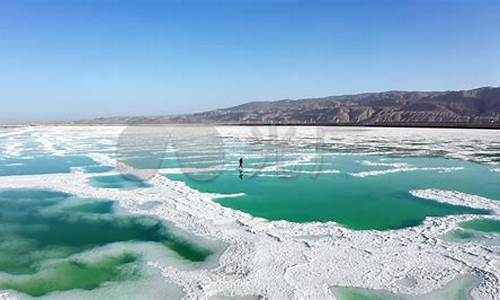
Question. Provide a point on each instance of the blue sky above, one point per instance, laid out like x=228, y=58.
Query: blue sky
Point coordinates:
x=62, y=60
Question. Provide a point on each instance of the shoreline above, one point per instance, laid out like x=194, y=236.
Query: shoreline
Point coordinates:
x=482, y=126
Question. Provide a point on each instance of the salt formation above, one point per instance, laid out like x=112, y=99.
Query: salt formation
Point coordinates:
x=284, y=260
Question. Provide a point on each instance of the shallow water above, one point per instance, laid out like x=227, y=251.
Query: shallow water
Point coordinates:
x=484, y=225
x=118, y=182
x=44, y=234
x=477, y=230
x=457, y=289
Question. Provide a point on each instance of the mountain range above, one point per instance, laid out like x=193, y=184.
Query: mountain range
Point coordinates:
x=476, y=108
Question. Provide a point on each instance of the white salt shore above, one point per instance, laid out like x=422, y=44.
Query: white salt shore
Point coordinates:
x=284, y=260
x=403, y=169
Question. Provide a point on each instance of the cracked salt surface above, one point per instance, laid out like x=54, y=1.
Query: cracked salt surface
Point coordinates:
x=284, y=260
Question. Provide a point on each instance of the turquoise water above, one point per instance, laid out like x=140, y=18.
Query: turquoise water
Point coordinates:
x=97, y=169
x=308, y=183
x=373, y=202
x=52, y=243
x=118, y=182
x=484, y=225
x=42, y=165
x=45, y=236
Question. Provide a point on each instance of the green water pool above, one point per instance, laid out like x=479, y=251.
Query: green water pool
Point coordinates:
x=46, y=239
x=302, y=193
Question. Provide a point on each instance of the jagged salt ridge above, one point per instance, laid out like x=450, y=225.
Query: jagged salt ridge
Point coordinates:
x=458, y=198
x=404, y=169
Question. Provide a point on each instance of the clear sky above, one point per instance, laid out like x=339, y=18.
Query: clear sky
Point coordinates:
x=71, y=59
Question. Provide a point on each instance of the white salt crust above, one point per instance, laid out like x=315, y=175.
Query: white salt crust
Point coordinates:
x=284, y=260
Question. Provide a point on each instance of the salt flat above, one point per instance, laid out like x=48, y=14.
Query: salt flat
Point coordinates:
x=283, y=259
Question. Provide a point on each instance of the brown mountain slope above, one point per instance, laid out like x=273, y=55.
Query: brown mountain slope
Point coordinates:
x=478, y=106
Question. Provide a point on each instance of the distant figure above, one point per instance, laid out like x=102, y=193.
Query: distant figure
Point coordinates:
x=241, y=163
